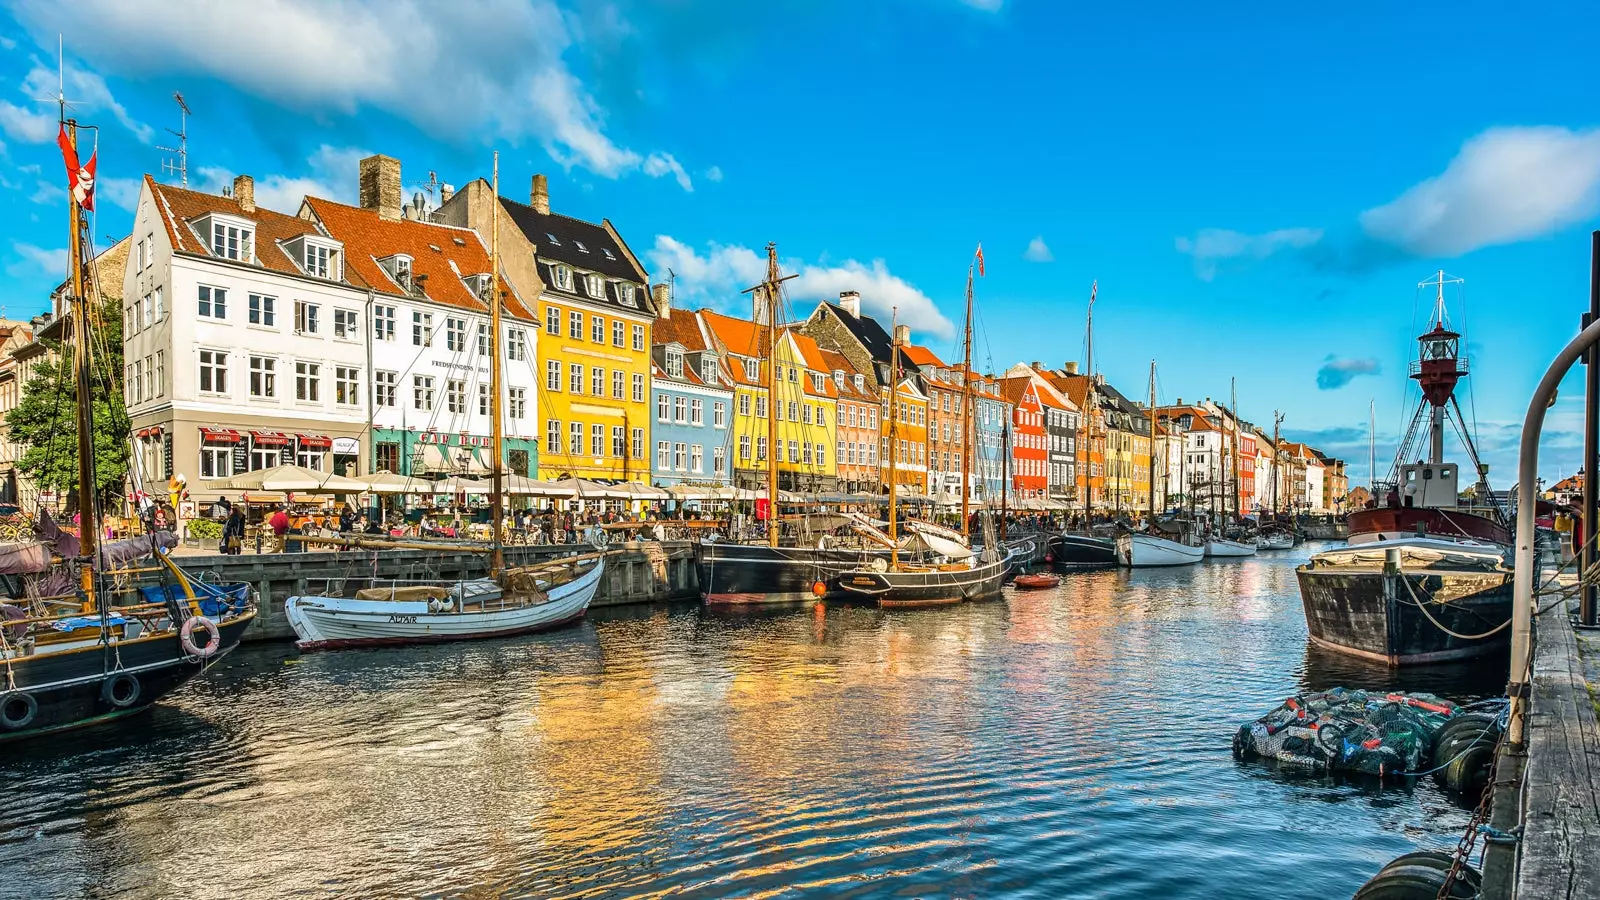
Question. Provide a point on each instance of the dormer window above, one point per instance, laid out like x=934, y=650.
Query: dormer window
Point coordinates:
x=861, y=382
x=553, y=241
x=708, y=369
x=229, y=237
x=838, y=378
x=317, y=256
x=580, y=246
x=675, y=362
x=563, y=277
x=818, y=381
x=595, y=286
x=479, y=285
x=607, y=252
x=752, y=370
x=399, y=268
x=625, y=294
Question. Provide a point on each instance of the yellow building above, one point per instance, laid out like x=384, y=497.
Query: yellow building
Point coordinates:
x=806, y=401
x=592, y=356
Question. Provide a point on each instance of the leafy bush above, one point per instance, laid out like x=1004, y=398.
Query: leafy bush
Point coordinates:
x=205, y=529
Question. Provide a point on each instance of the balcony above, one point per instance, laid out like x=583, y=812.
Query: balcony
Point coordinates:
x=1416, y=366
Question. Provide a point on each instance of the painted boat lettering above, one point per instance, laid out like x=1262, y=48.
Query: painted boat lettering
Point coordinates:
x=402, y=620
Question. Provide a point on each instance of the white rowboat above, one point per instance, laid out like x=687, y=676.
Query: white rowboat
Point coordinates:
x=428, y=615
x=1223, y=547
x=1140, y=550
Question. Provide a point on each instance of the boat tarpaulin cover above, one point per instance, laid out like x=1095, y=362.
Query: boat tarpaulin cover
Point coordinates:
x=24, y=559
x=119, y=553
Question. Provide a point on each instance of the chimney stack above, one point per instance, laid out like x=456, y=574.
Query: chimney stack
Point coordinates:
x=380, y=185
x=902, y=335
x=663, y=297
x=1071, y=367
x=850, y=302
x=446, y=191
x=1037, y=366
x=539, y=195
x=244, y=191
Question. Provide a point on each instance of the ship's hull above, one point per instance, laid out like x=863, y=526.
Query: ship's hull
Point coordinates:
x=1141, y=550
x=337, y=623
x=1077, y=551
x=1328, y=531
x=1218, y=547
x=1391, y=522
x=1278, y=540
x=1360, y=611
x=755, y=574
x=59, y=690
x=923, y=588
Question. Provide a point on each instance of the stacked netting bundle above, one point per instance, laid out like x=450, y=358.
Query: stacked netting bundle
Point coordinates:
x=1348, y=731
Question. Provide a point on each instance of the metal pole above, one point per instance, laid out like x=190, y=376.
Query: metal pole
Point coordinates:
x=1588, y=610
x=1527, y=495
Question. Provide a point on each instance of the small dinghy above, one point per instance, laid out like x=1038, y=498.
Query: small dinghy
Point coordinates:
x=1040, y=582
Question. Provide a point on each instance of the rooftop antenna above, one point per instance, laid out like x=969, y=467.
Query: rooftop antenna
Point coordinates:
x=672, y=284
x=432, y=188
x=60, y=99
x=181, y=167
x=1439, y=281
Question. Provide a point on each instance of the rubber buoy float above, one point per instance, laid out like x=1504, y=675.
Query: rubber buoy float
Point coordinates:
x=17, y=710
x=121, y=690
x=213, y=637
x=1413, y=880
x=818, y=588
x=1442, y=861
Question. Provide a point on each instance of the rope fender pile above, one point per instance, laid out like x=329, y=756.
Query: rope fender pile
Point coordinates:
x=1343, y=730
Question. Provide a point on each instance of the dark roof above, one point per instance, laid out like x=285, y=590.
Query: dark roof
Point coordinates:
x=559, y=237
x=866, y=330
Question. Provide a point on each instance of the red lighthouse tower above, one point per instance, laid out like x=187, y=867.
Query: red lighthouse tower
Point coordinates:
x=1439, y=365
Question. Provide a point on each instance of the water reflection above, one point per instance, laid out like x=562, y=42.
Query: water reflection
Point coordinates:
x=1065, y=743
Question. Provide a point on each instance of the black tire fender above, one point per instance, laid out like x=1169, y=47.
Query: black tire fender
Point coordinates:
x=121, y=690
x=17, y=710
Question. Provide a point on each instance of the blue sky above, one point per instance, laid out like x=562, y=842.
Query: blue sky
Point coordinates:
x=1256, y=195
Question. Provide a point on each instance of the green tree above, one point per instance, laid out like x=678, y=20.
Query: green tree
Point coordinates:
x=45, y=421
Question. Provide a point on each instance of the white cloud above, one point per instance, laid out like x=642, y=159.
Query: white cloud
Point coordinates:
x=714, y=173
x=123, y=192
x=659, y=164
x=493, y=68
x=1211, y=246
x=49, y=193
x=985, y=5
x=1506, y=184
x=717, y=276
x=35, y=260
x=1038, y=251
x=332, y=174
x=26, y=125
x=87, y=92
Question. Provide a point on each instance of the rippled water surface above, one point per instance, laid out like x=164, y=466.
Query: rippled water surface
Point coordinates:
x=1072, y=743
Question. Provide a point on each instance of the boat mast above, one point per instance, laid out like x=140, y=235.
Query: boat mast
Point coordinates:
x=1152, y=440
x=1277, y=452
x=1372, y=450
x=497, y=426
x=88, y=499
x=766, y=302
x=1233, y=413
x=894, y=434
x=967, y=404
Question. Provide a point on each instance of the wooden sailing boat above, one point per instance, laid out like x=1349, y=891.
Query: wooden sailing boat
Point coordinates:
x=1085, y=549
x=510, y=601
x=73, y=650
x=1230, y=541
x=945, y=569
x=1138, y=549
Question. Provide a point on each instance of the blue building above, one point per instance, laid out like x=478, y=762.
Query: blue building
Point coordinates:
x=692, y=401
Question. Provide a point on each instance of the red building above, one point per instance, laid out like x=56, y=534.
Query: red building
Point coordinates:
x=1030, y=475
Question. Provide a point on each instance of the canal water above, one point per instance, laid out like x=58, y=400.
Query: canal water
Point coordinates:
x=1071, y=743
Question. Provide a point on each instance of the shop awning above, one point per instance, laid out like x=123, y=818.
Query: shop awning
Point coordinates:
x=220, y=436
x=270, y=438
x=320, y=441
x=152, y=431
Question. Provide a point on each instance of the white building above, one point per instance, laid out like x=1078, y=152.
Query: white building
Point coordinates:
x=243, y=340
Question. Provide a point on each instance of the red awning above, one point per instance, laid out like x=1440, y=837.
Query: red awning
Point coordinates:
x=270, y=438
x=152, y=431
x=220, y=435
x=315, y=440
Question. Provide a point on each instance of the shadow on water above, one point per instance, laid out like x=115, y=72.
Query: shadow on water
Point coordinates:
x=1460, y=681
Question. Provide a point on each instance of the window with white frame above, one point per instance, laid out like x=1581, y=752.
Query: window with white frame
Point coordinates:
x=517, y=345
x=213, y=371
x=597, y=381
x=680, y=456
x=761, y=449
x=618, y=333
x=625, y=292
x=552, y=436
x=309, y=457
x=307, y=381
x=216, y=461
x=384, y=387
x=305, y=317
x=455, y=395
x=805, y=453
x=638, y=337
x=619, y=441
x=696, y=458
x=719, y=414
x=321, y=261
x=638, y=388
x=761, y=407
x=597, y=440
x=422, y=392
x=455, y=334
x=617, y=388
x=638, y=443
x=161, y=372
x=232, y=241
x=263, y=377
x=344, y=324
x=552, y=375
x=663, y=456
x=708, y=369
x=575, y=377
x=483, y=339
x=382, y=322
x=697, y=412
x=135, y=381
x=483, y=399
x=744, y=446
x=680, y=409
x=265, y=458
x=563, y=278
x=752, y=369
x=346, y=386
x=595, y=286
x=421, y=329
x=674, y=362
x=575, y=325
x=719, y=460
x=575, y=439
x=213, y=302
x=744, y=404
x=519, y=403
x=597, y=329
x=663, y=405
x=552, y=320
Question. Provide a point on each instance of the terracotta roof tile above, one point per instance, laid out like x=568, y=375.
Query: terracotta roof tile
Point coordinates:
x=180, y=206
x=921, y=355
x=368, y=237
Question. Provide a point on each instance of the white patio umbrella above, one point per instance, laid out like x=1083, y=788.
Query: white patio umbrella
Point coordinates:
x=390, y=483
x=639, y=491
x=298, y=479
x=458, y=485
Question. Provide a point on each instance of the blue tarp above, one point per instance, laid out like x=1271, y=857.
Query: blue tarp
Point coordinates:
x=216, y=600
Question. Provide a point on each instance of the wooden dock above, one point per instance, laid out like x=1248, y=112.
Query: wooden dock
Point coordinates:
x=1553, y=790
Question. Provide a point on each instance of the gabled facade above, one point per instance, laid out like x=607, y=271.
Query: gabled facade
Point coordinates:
x=693, y=396
x=244, y=336
x=1127, y=449
x=908, y=432
x=856, y=425
x=1029, y=453
x=1090, y=439
x=590, y=294
x=427, y=324
x=1062, y=425
x=943, y=387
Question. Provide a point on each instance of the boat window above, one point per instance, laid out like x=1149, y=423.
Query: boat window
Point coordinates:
x=1444, y=473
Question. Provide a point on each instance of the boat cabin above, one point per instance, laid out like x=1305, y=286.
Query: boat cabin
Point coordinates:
x=1431, y=485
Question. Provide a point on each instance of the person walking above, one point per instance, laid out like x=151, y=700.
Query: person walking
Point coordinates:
x=233, y=532
x=279, y=523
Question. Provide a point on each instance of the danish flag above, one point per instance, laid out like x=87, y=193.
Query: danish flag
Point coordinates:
x=980, y=260
x=80, y=178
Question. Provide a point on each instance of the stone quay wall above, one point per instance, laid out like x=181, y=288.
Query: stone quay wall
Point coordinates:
x=636, y=572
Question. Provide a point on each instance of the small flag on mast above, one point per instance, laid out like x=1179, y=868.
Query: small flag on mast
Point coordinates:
x=980, y=260
x=80, y=178
x=1093, y=289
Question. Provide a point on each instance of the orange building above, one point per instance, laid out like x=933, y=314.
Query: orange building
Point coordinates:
x=1029, y=476
x=857, y=426
x=910, y=425
x=1091, y=452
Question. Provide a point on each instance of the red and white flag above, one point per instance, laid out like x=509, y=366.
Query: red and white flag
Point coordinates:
x=80, y=178
x=1093, y=289
x=980, y=259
